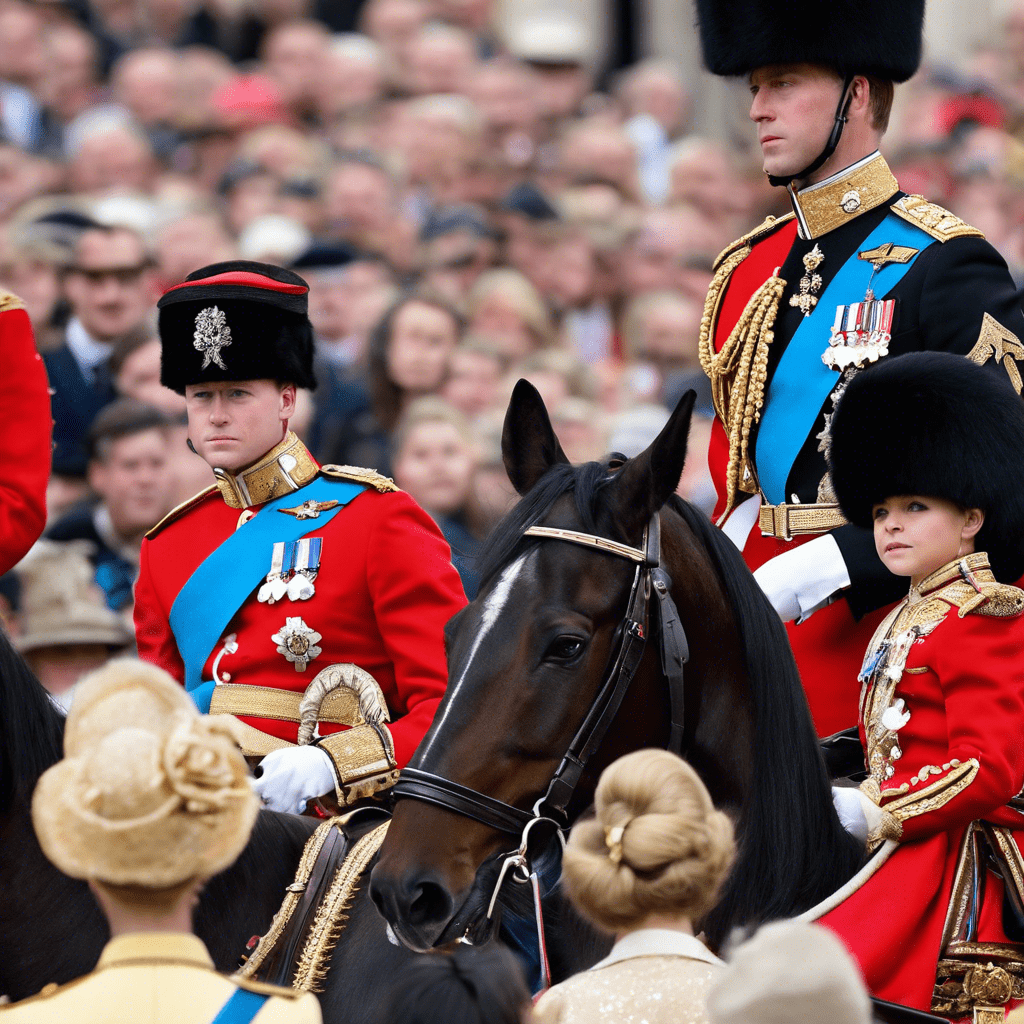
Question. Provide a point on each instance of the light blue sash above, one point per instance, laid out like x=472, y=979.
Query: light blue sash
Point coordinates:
x=240, y=1008
x=228, y=575
x=802, y=382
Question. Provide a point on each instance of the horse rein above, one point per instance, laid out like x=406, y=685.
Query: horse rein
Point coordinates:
x=649, y=578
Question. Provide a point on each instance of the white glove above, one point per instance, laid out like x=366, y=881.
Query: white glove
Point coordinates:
x=858, y=814
x=289, y=778
x=850, y=809
x=800, y=581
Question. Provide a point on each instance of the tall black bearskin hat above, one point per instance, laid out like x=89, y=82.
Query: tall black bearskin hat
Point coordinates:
x=863, y=37
x=237, y=320
x=938, y=425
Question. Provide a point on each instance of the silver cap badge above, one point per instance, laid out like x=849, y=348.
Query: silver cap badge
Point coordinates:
x=212, y=334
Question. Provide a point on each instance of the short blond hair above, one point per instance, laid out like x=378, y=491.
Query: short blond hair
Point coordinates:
x=520, y=294
x=656, y=844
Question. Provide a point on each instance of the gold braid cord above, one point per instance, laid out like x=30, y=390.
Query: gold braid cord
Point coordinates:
x=292, y=896
x=739, y=371
x=331, y=915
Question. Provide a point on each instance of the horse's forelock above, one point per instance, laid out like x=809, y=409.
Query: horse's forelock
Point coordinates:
x=585, y=482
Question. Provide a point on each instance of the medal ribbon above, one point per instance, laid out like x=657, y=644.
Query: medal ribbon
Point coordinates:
x=802, y=382
x=228, y=575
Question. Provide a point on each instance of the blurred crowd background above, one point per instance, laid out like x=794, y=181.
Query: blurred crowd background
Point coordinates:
x=475, y=191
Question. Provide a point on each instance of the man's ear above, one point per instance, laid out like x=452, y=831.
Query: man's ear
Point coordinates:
x=974, y=522
x=288, y=400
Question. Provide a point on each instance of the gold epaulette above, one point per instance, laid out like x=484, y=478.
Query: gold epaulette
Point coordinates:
x=358, y=475
x=766, y=227
x=8, y=300
x=933, y=219
x=180, y=510
x=263, y=988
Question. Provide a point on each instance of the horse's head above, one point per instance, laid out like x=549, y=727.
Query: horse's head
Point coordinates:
x=526, y=660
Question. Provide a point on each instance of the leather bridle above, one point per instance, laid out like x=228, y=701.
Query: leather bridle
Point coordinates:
x=632, y=635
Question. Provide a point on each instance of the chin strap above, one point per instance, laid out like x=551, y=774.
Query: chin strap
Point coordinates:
x=842, y=109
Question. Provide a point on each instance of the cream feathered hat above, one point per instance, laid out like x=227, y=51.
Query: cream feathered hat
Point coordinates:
x=150, y=792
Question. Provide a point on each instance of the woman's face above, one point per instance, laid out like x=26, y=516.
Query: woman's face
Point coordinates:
x=422, y=338
x=502, y=325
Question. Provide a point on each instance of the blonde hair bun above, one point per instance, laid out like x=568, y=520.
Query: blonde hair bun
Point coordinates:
x=656, y=844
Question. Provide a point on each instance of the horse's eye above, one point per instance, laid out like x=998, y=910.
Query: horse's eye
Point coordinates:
x=564, y=648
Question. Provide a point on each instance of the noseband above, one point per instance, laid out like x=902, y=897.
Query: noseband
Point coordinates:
x=632, y=634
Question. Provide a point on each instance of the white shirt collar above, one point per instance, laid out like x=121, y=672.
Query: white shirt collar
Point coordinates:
x=658, y=942
x=88, y=353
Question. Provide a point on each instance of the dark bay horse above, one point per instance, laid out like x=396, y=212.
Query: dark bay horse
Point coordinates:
x=51, y=929
x=527, y=659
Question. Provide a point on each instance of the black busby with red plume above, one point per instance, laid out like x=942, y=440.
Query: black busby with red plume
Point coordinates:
x=854, y=37
x=936, y=425
x=237, y=320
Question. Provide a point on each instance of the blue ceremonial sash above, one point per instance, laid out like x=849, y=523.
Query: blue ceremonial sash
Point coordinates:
x=802, y=382
x=240, y=1008
x=228, y=575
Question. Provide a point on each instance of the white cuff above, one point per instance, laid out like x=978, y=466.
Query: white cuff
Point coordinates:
x=827, y=574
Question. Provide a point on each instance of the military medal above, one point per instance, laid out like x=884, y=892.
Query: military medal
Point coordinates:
x=297, y=642
x=862, y=331
x=276, y=584
x=305, y=566
x=810, y=283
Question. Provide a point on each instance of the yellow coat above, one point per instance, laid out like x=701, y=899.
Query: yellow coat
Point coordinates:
x=154, y=978
x=654, y=975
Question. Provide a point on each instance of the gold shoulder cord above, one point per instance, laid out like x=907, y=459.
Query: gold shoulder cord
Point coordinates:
x=739, y=371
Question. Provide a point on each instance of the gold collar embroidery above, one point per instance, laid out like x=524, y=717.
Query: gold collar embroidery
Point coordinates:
x=285, y=468
x=828, y=204
x=972, y=568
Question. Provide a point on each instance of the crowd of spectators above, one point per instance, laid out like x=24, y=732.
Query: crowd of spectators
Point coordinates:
x=471, y=199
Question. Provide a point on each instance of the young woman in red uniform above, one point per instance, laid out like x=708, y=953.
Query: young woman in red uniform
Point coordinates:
x=928, y=450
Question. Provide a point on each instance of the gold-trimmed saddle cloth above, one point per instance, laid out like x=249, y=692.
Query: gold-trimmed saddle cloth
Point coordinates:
x=296, y=949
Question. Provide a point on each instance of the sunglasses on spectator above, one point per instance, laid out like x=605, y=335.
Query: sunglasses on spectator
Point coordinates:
x=123, y=275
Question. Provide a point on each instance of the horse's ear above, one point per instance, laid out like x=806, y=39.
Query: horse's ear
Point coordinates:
x=645, y=483
x=529, y=447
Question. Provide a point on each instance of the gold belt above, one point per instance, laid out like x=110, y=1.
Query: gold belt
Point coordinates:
x=784, y=522
x=340, y=706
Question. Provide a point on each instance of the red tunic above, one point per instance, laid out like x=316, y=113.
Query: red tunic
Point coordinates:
x=385, y=590
x=960, y=759
x=25, y=452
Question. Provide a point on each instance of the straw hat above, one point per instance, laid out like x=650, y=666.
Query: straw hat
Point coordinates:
x=150, y=792
x=790, y=971
x=60, y=602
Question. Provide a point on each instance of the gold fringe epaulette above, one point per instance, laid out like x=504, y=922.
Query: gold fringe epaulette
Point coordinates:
x=178, y=511
x=8, y=301
x=263, y=988
x=359, y=475
x=933, y=219
x=765, y=228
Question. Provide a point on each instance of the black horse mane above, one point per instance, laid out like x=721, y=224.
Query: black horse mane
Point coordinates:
x=793, y=848
x=31, y=726
x=794, y=852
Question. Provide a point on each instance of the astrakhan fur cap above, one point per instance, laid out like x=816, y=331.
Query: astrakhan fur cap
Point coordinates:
x=935, y=424
x=867, y=37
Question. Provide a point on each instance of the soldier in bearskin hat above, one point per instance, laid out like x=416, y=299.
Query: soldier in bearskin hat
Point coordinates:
x=308, y=602
x=927, y=456
x=858, y=272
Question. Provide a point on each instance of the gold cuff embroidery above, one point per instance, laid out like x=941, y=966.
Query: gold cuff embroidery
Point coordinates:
x=936, y=795
x=364, y=761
